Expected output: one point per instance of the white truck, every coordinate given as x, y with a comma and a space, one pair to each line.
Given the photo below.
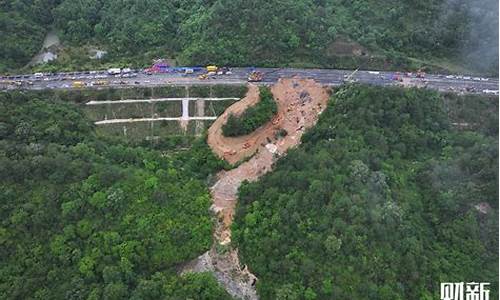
114, 71
491, 92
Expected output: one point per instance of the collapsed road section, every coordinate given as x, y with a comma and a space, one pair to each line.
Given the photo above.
300, 102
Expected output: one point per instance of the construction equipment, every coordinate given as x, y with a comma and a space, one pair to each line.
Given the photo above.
276, 119
349, 78
255, 76
203, 77
101, 82
231, 152
212, 68
78, 84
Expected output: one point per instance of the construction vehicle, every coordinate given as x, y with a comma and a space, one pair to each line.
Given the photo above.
203, 77
228, 153
212, 69
101, 82
78, 84
255, 76
276, 119
350, 78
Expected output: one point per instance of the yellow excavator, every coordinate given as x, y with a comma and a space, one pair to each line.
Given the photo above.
255, 76
78, 84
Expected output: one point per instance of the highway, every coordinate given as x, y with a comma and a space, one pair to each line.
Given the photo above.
332, 77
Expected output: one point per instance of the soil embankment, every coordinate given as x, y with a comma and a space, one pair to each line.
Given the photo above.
300, 101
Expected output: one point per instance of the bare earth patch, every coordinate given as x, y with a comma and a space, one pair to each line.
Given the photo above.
299, 101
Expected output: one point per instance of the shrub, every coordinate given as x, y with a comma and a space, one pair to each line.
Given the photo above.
253, 117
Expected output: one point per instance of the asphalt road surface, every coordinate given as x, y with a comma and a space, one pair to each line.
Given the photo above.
450, 83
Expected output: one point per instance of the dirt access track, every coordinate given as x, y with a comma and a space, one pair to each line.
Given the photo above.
299, 101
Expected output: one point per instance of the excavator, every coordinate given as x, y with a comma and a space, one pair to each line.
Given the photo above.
255, 76
420, 74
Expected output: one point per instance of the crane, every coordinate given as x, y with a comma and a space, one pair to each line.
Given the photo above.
349, 78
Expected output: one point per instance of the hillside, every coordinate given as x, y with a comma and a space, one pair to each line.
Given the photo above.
441, 35
392, 191
336, 149
85, 217
383, 200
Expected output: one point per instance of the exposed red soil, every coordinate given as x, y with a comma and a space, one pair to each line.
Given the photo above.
299, 101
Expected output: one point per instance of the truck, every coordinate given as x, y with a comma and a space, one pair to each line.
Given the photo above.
78, 84
397, 77
114, 71
224, 71
492, 92
212, 68
101, 82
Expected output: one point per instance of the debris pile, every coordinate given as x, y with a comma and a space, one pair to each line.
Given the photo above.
300, 101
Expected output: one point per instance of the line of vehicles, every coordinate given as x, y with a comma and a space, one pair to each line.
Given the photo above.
101, 78
119, 76
76, 77
205, 73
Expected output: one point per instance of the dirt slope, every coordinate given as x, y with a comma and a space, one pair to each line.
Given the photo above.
300, 101
225, 147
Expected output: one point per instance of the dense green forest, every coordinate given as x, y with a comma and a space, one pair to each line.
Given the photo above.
83, 217
23, 25
253, 117
439, 34
384, 199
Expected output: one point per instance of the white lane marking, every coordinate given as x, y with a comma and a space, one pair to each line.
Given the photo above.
118, 121
155, 100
